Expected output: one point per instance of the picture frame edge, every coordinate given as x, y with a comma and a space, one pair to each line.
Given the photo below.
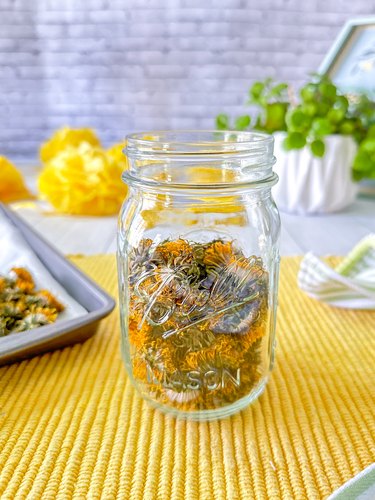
341, 41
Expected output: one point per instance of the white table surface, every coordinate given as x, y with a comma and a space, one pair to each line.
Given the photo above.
334, 234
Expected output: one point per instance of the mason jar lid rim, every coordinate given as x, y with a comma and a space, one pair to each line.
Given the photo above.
171, 142
132, 180
248, 153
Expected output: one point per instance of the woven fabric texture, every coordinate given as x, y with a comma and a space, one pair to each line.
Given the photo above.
72, 426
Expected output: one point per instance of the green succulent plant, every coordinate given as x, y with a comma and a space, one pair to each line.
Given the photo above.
364, 162
271, 102
322, 110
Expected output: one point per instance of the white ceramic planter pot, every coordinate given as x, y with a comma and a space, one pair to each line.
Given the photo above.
311, 185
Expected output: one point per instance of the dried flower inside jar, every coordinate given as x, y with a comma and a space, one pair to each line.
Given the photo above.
198, 313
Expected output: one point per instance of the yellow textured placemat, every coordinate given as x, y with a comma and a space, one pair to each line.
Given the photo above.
71, 425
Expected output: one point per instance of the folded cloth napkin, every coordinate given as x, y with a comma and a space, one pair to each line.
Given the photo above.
15, 252
351, 284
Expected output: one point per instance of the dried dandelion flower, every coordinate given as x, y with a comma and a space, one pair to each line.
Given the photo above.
23, 274
21, 306
49, 300
24, 280
83, 181
170, 250
67, 137
12, 185
197, 317
218, 254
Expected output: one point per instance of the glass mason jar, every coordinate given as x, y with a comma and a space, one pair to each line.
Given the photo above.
198, 267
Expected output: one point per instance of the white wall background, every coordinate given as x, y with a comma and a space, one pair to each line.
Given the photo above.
127, 65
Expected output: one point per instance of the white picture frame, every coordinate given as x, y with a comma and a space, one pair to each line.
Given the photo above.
350, 63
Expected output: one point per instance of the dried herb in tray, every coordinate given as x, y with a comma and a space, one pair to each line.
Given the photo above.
22, 307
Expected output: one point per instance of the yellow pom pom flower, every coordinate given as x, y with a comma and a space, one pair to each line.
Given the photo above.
67, 137
115, 154
12, 186
83, 180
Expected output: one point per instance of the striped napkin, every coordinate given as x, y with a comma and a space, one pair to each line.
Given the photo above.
351, 284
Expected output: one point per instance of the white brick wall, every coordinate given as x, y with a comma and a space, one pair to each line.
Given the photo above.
124, 65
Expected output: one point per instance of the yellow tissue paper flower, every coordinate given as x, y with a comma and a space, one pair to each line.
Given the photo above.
212, 175
116, 155
67, 137
12, 186
83, 180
